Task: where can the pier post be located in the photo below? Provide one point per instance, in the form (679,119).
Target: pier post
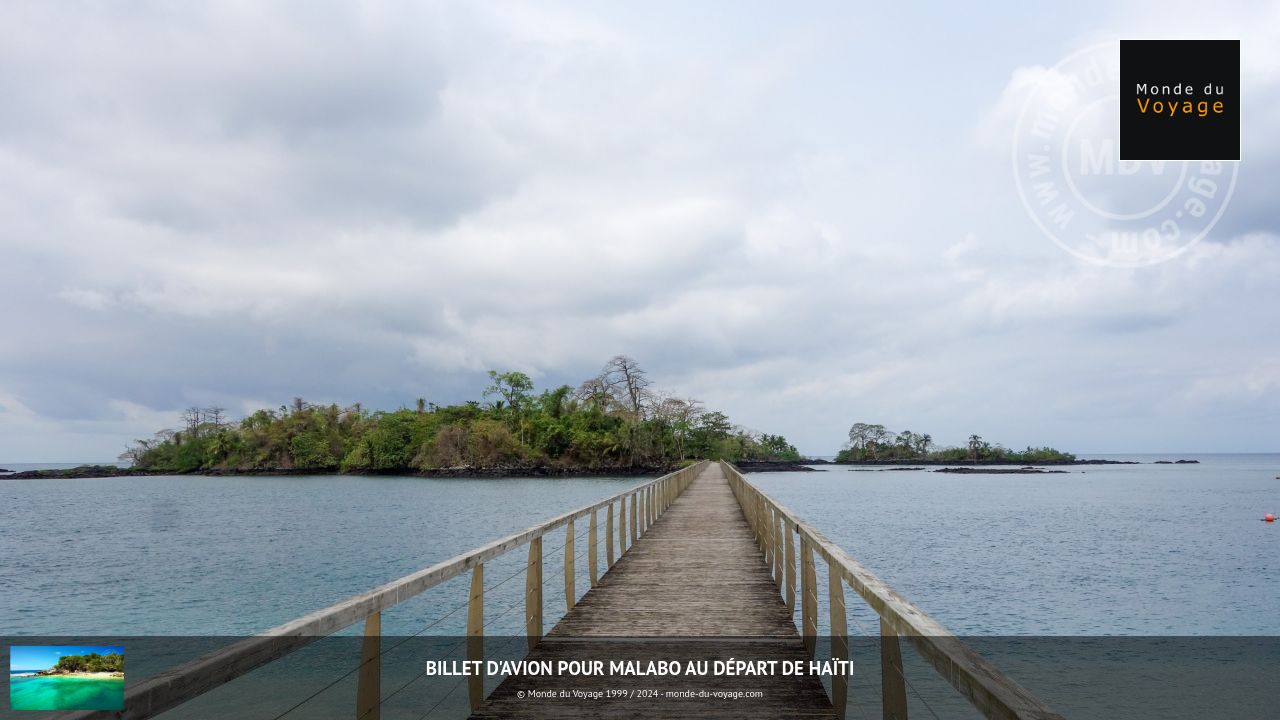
(570,589)
(808,597)
(776,527)
(791,570)
(475,635)
(839,641)
(533,594)
(591,550)
(622,527)
(608,537)
(635,533)
(369,681)
(893,679)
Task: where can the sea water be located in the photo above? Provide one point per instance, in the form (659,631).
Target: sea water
(1172,554)
(30,692)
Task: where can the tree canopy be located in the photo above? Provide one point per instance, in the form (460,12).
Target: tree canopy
(93,662)
(874,443)
(613,420)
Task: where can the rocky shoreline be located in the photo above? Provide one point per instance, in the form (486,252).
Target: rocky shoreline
(994,468)
(109,471)
(991,462)
(750,466)
(1000,471)
(746,466)
(75,473)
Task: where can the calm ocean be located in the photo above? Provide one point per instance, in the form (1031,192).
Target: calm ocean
(1059,560)
(1121,549)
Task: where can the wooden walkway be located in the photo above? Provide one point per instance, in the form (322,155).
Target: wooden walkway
(694,587)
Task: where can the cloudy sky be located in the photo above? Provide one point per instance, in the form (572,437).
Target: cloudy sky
(804,217)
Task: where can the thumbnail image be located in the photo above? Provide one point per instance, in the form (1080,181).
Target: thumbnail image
(66,677)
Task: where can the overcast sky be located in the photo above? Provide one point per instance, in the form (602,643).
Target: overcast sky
(802,214)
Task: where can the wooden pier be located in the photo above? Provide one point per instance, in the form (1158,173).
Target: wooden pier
(697,565)
(695,586)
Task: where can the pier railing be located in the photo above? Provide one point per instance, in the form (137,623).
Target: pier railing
(637,509)
(777,530)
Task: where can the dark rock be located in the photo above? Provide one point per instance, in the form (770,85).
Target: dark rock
(1106,462)
(1186,462)
(998,471)
(83,471)
(750,466)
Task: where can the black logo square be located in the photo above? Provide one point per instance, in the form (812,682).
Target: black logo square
(1179,99)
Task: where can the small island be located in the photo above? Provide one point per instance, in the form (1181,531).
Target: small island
(615,423)
(874,444)
(92,665)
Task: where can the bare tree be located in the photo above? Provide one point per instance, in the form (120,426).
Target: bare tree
(594,391)
(629,380)
(215,416)
(191,418)
(859,435)
(134,453)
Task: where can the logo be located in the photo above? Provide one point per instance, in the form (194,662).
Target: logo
(1083,195)
(1180,99)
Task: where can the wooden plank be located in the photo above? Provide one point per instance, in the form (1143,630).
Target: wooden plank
(475,635)
(893,679)
(369,679)
(635,532)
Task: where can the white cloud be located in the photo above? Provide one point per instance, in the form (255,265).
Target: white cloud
(380,202)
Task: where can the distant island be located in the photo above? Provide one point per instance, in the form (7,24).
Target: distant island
(615,422)
(871,443)
(874,444)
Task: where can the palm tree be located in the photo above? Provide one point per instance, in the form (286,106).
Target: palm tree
(975,444)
